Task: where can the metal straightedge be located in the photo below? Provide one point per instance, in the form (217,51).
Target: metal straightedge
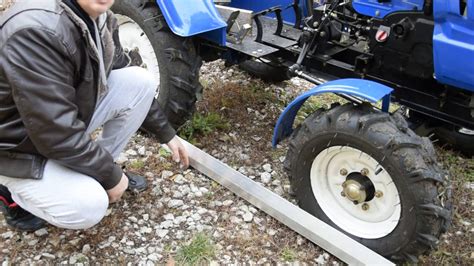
(318,232)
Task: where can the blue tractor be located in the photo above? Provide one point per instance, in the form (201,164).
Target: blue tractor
(365,171)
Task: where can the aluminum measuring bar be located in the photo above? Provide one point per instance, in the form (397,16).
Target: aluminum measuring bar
(318,232)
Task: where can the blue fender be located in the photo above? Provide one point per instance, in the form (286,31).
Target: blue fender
(379,9)
(361,88)
(453,44)
(197,17)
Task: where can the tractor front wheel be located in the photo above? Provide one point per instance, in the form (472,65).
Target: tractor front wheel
(367,174)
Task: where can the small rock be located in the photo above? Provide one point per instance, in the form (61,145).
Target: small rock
(248,217)
(78,258)
(179,179)
(41,232)
(169,216)
(265,177)
(48,256)
(226,203)
(157,191)
(235,220)
(320,260)
(129,251)
(141,150)
(271,232)
(86,248)
(7,235)
(154,257)
(175,203)
(133,219)
(166,224)
(267,168)
(145,230)
(196,217)
(166,174)
(131,152)
(33,242)
(162,233)
(122,158)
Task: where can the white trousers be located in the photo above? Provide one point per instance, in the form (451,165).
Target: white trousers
(69,199)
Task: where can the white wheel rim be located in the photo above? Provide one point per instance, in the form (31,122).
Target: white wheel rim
(383,214)
(132,36)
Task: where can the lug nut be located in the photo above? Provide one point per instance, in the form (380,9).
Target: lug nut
(365,206)
(343,194)
(364,172)
(343,171)
(379,194)
(355,202)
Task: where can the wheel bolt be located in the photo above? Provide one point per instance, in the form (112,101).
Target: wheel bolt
(365,206)
(379,194)
(343,194)
(364,172)
(343,172)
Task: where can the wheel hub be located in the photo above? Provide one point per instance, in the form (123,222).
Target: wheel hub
(358,188)
(354,191)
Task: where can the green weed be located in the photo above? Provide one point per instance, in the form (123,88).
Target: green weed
(198,250)
(202,125)
(288,254)
(137,165)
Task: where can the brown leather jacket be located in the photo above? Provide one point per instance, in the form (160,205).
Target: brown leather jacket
(49,85)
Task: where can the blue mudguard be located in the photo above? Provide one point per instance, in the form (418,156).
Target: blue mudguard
(365,89)
(453,44)
(379,9)
(194,17)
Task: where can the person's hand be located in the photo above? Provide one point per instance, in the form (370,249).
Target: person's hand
(116,192)
(180,155)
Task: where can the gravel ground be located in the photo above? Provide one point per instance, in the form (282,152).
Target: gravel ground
(155,226)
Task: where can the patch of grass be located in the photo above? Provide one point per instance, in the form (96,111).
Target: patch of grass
(288,254)
(203,125)
(198,250)
(163,152)
(137,165)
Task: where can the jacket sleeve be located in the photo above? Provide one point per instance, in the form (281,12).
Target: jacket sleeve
(38,67)
(121,59)
(157,124)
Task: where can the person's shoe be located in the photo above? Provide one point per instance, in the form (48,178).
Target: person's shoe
(17,217)
(136,183)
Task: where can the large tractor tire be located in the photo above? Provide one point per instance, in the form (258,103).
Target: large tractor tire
(172,59)
(367,174)
(460,139)
(264,71)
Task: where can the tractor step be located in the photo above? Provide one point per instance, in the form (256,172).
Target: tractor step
(252,48)
(318,232)
(277,41)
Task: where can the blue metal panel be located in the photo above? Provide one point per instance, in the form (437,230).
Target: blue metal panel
(188,18)
(259,5)
(373,8)
(453,44)
(365,89)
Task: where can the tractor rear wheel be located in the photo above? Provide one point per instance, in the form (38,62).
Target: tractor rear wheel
(367,174)
(172,59)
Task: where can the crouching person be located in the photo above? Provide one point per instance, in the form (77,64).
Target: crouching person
(63,74)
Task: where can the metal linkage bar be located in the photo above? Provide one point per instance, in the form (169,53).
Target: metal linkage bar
(318,232)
